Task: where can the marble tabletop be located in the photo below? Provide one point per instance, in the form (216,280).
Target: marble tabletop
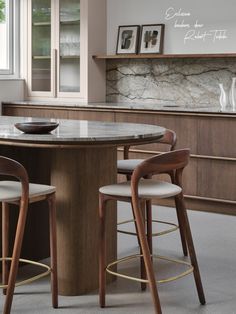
(76,132)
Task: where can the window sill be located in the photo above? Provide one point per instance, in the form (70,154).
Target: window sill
(10,78)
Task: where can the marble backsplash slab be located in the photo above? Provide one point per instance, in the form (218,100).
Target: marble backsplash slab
(181,82)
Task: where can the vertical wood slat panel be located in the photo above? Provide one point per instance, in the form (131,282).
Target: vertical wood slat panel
(185,128)
(216,179)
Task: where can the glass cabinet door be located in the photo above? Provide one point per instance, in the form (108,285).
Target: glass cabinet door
(41,46)
(69,46)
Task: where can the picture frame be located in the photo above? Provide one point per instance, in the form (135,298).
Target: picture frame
(128,39)
(152,38)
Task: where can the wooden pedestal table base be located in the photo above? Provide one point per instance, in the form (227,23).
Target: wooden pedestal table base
(78,174)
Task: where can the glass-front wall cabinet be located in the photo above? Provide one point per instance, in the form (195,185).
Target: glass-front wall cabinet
(41,45)
(69,63)
(55,48)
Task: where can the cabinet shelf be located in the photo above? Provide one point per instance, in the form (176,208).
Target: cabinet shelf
(76,22)
(70,57)
(40,70)
(165,56)
(41,57)
(42,24)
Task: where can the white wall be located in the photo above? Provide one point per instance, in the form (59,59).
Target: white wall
(3,57)
(11,90)
(213,14)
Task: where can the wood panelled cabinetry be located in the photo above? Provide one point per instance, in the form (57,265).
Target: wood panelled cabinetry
(210,178)
(186,126)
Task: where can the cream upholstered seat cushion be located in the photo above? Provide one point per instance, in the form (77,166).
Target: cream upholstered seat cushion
(11,190)
(128,165)
(148,188)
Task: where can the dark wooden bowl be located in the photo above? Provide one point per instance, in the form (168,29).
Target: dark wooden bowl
(36,127)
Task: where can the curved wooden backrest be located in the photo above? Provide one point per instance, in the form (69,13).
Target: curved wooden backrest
(174,161)
(169,138)
(13,168)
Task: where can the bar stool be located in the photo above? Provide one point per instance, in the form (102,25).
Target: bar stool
(138,191)
(126,167)
(22,193)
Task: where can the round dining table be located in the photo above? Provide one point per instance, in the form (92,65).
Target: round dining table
(77,158)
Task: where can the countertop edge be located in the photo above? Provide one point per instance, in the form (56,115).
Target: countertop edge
(123,106)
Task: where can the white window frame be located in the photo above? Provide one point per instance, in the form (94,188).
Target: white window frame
(13,11)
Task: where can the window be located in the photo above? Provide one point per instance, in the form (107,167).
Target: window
(8,36)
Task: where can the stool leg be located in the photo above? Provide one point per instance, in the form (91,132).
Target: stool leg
(180,222)
(5,244)
(149,224)
(147,257)
(102,251)
(181,228)
(15,256)
(191,249)
(149,219)
(142,264)
(53,248)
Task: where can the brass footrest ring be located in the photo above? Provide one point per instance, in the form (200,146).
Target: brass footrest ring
(174,227)
(32,279)
(128,258)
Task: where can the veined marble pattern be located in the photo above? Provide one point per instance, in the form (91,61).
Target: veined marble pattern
(79,132)
(182,82)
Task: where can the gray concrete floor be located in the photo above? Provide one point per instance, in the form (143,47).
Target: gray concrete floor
(215,242)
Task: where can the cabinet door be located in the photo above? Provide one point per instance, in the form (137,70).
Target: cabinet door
(68,46)
(41,57)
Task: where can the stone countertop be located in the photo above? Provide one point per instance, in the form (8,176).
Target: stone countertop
(127,106)
(78,132)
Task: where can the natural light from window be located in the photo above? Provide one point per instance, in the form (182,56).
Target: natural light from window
(4,37)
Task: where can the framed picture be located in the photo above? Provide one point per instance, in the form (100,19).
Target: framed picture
(152,37)
(127,39)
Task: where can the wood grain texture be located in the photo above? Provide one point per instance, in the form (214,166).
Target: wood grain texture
(216,179)
(77,183)
(184,127)
(37,112)
(216,137)
(91,115)
(5,244)
(60,113)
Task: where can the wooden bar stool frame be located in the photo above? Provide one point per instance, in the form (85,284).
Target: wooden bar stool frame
(172,161)
(12,168)
(170,139)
